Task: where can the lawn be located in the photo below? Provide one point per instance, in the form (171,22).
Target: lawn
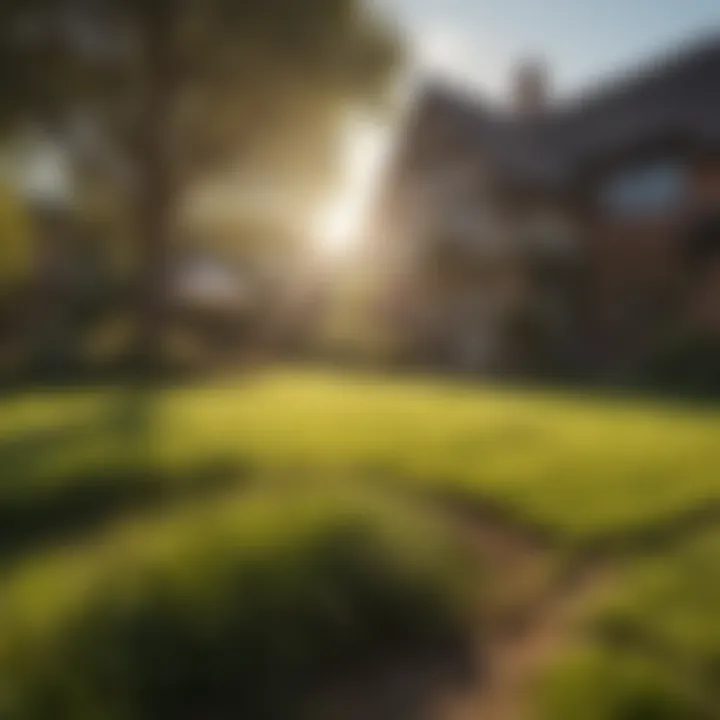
(650,650)
(582,466)
(286,500)
(579,465)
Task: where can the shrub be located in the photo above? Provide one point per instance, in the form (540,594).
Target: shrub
(607,684)
(233,609)
(690,366)
(654,648)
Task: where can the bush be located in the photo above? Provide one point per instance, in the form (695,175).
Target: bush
(606,684)
(654,648)
(234,609)
(688,366)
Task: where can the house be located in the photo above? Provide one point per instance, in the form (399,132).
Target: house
(569,236)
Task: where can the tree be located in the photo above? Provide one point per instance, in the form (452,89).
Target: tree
(156,95)
(15,242)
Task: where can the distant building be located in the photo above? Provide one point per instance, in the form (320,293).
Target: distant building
(569,236)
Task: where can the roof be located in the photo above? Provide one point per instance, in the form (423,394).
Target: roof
(676,97)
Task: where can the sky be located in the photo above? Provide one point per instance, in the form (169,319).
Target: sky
(477,42)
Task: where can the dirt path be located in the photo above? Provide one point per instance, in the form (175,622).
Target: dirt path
(514,656)
(537,608)
(535,613)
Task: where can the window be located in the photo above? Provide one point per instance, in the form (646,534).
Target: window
(651,189)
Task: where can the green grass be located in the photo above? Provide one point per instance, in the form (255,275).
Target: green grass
(582,466)
(653,650)
(290,572)
(585,467)
(227,609)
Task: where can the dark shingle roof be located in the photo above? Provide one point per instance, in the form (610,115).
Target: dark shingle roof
(676,97)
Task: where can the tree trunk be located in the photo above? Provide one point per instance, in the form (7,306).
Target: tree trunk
(158,192)
(155,228)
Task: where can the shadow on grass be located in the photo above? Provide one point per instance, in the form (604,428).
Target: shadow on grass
(658,537)
(117,431)
(60,483)
(81,503)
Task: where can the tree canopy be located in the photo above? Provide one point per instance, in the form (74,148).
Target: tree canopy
(153,97)
(211,83)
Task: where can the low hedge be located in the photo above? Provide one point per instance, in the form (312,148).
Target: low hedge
(233,609)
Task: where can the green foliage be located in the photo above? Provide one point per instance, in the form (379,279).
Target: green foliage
(690,365)
(607,685)
(261,81)
(228,609)
(672,602)
(153,99)
(653,650)
(15,242)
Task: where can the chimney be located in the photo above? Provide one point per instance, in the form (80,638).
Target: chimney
(530,88)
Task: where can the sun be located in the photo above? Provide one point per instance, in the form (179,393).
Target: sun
(339,224)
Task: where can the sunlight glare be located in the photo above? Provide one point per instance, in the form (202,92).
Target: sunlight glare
(340,223)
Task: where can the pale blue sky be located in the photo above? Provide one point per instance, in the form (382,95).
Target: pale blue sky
(477,41)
